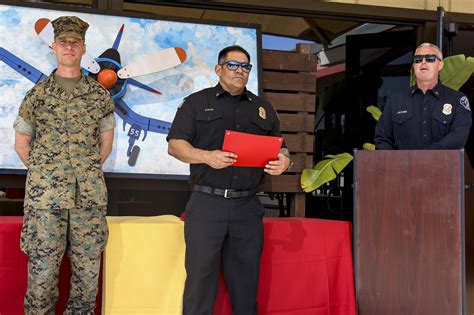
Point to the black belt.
(226, 193)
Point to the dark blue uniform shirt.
(440, 119)
(202, 120)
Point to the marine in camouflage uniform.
(65, 120)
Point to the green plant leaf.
(375, 111)
(368, 146)
(456, 71)
(324, 171)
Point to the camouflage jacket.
(64, 161)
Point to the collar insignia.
(262, 113)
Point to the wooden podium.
(413, 232)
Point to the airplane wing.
(145, 123)
(23, 68)
(175, 86)
(159, 61)
(45, 31)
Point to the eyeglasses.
(233, 65)
(429, 58)
(71, 43)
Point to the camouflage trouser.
(44, 238)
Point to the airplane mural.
(107, 69)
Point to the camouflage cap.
(69, 26)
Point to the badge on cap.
(447, 109)
(261, 112)
(465, 103)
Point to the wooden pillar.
(291, 88)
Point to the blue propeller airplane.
(108, 71)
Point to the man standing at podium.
(428, 115)
(223, 215)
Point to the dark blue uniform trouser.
(227, 230)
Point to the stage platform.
(306, 268)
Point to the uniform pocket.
(402, 125)
(29, 233)
(263, 124)
(209, 117)
(259, 126)
(443, 120)
(48, 117)
(401, 118)
(210, 130)
(441, 126)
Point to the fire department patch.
(465, 103)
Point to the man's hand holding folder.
(256, 151)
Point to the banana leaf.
(324, 171)
(368, 146)
(375, 111)
(456, 71)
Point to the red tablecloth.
(306, 268)
(13, 271)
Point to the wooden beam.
(299, 142)
(282, 183)
(298, 205)
(303, 82)
(292, 101)
(288, 61)
(296, 122)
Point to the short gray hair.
(431, 46)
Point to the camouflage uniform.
(66, 196)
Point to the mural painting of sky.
(136, 107)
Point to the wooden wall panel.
(297, 122)
(299, 143)
(280, 60)
(282, 183)
(303, 82)
(301, 161)
(289, 84)
(292, 101)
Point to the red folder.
(252, 150)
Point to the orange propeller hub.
(107, 78)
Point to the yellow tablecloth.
(143, 267)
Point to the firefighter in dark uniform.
(223, 215)
(428, 115)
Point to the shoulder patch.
(465, 103)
